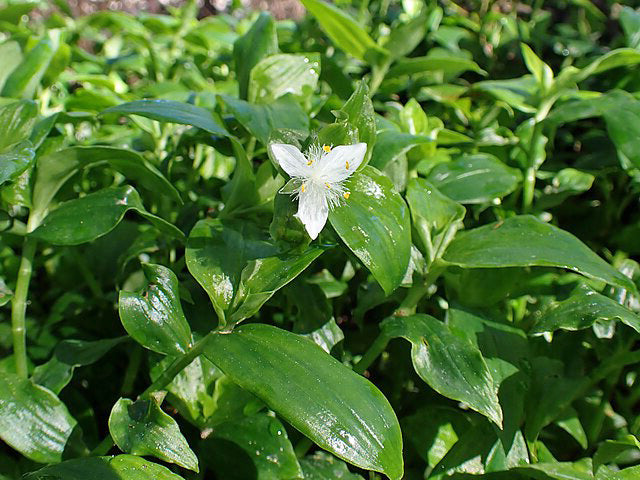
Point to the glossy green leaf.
(259, 42)
(16, 121)
(478, 178)
(14, 162)
(583, 309)
(339, 410)
(277, 75)
(344, 31)
(33, 420)
(450, 365)
(142, 428)
(322, 466)
(56, 168)
(525, 241)
(238, 267)
(623, 127)
(263, 120)
(87, 218)
(120, 467)
(374, 223)
(24, 80)
(255, 446)
(154, 317)
(171, 111)
(435, 217)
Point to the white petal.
(290, 159)
(342, 161)
(313, 210)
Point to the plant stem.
(19, 307)
(375, 349)
(528, 188)
(178, 365)
(103, 447)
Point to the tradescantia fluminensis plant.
(390, 239)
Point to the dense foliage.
(469, 310)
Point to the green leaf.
(339, 410)
(153, 317)
(142, 428)
(391, 144)
(518, 93)
(263, 120)
(556, 471)
(405, 38)
(277, 75)
(259, 42)
(344, 31)
(24, 80)
(581, 310)
(12, 56)
(610, 449)
(56, 168)
(450, 365)
(630, 22)
(322, 466)
(450, 65)
(5, 293)
(479, 178)
(16, 122)
(540, 70)
(171, 111)
(33, 420)
(87, 218)
(118, 467)
(623, 125)
(434, 216)
(69, 354)
(238, 267)
(525, 241)
(551, 392)
(255, 446)
(374, 223)
(14, 162)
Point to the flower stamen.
(326, 148)
(346, 195)
(327, 184)
(303, 187)
(347, 165)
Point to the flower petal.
(313, 210)
(290, 159)
(342, 161)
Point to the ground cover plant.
(386, 240)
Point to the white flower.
(317, 179)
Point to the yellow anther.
(309, 163)
(326, 148)
(302, 188)
(347, 165)
(327, 184)
(346, 195)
